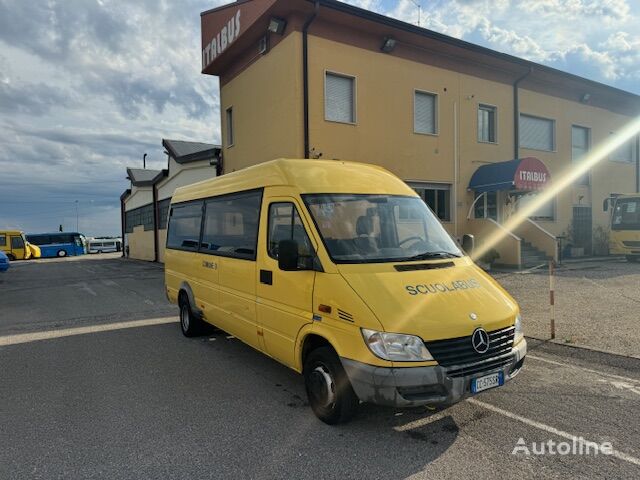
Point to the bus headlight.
(396, 346)
(519, 334)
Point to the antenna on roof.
(417, 4)
(144, 161)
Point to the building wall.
(140, 244)
(267, 108)
(185, 174)
(140, 196)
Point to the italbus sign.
(531, 175)
(222, 39)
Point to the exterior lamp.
(388, 44)
(277, 25)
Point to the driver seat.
(365, 242)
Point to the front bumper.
(415, 386)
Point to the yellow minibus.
(341, 272)
(14, 244)
(624, 238)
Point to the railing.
(509, 246)
(539, 238)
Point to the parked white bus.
(104, 245)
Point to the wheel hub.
(322, 386)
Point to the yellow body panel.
(624, 242)
(276, 317)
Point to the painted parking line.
(584, 369)
(69, 332)
(549, 429)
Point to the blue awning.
(526, 174)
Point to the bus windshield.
(626, 214)
(379, 228)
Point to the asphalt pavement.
(147, 402)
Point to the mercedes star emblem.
(480, 340)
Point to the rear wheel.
(11, 257)
(330, 394)
(62, 253)
(190, 324)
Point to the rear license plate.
(488, 381)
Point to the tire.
(329, 391)
(190, 325)
(11, 257)
(62, 253)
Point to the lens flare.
(566, 179)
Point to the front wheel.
(62, 253)
(330, 394)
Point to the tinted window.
(231, 225)
(184, 226)
(3, 240)
(17, 242)
(39, 239)
(285, 224)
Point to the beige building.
(145, 206)
(476, 132)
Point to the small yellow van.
(341, 272)
(14, 244)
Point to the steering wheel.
(419, 239)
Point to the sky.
(88, 86)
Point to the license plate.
(485, 383)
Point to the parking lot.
(596, 304)
(146, 402)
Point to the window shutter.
(424, 120)
(339, 98)
(536, 133)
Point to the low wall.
(509, 248)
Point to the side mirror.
(468, 243)
(288, 255)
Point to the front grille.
(459, 351)
(631, 243)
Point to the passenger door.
(285, 298)
(18, 248)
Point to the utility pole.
(417, 4)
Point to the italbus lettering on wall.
(222, 40)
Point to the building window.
(625, 152)
(580, 139)
(231, 225)
(487, 206)
(537, 133)
(230, 136)
(339, 98)
(163, 213)
(139, 216)
(184, 226)
(544, 212)
(487, 123)
(425, 113)
(437, 196)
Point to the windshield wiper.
(430, 255)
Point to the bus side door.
(18, 249)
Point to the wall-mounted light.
(388, 44)
(277, 25)
(585, 98)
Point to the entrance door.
(487, 206)
(582, 228)
(284, 298)
(18, 248)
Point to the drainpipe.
(154, 190)
(516, 115)
(638, 164)
(122, 220)
(305, 75)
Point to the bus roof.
(307, 176)
(53, 233)
(11, 232)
